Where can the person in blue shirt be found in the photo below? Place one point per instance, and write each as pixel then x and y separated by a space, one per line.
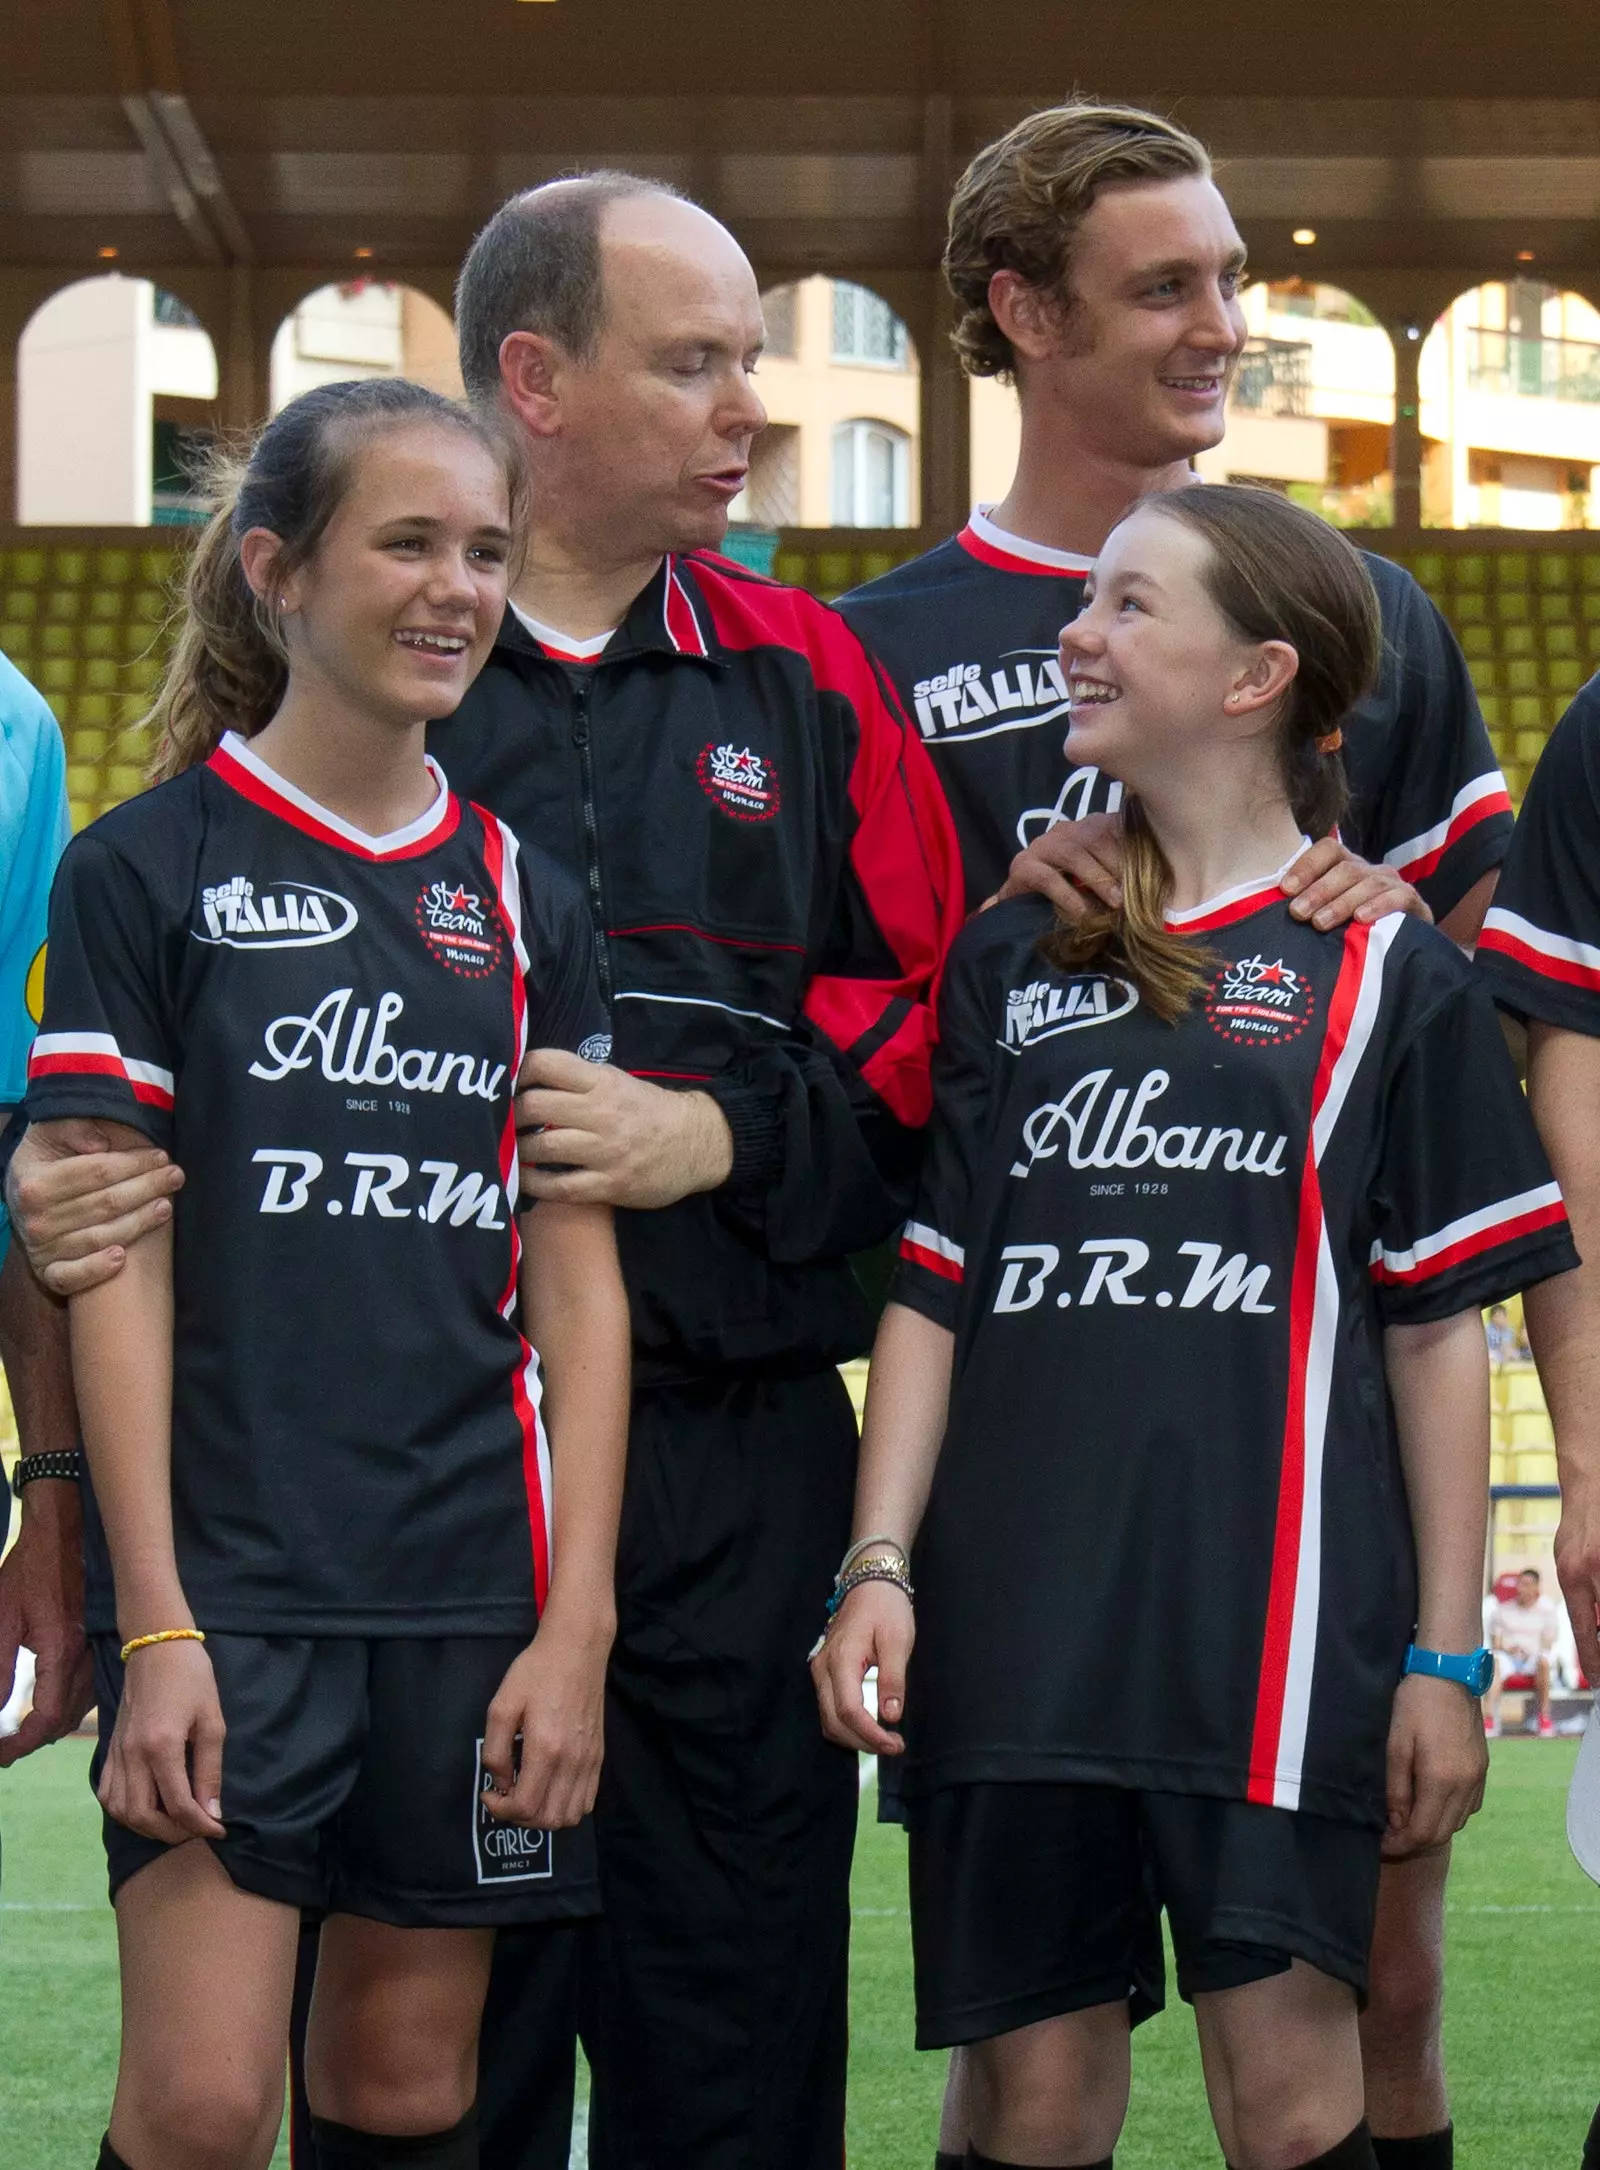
pixel 41 1587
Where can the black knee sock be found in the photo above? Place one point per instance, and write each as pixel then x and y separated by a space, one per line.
pixel 1591 2146
pixel 975 2161
pixel 942 2161
pixel 341 2147
pixel 108 2158
pixel 1354 2152
pixel 1430 2151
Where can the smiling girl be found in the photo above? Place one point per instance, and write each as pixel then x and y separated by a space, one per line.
pixel 1182 1395
pixel 339 1488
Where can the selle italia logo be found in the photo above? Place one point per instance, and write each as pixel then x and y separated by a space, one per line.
pixel 278 915
pixel 1025 688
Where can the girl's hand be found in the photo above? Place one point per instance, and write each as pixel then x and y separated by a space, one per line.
pixel 875 1626
pixel 546 1731
pixel 163 1772
pixel 1438 1760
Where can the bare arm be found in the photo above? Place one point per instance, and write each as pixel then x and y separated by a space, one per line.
pixel 908 1395
pixel 1439 1379
pixel 41 1579
pixel 1563 1314
pixel 575 1313
pixel 77 1201
pixel 163 1776
pixel 1464 921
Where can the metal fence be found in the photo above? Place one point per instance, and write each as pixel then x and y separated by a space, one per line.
pixel 1274 376
pixel 1532 368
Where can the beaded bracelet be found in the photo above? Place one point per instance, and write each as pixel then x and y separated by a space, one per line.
pixel 167 1635
pixel 890 1571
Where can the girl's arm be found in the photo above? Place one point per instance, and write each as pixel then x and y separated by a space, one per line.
pixel 122 1370
pixel 575 1312
pixel 1439 1379
pixel 908 1394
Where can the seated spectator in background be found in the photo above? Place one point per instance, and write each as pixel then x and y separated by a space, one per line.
pixel 1522 1634
pixel 1506 1343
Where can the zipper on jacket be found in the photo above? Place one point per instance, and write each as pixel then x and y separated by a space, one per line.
pixel 591 831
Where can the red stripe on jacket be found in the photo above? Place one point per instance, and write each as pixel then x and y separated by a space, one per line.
pixel 903 853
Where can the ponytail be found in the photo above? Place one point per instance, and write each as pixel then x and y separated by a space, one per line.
pixel 229 666
pixel 1276 572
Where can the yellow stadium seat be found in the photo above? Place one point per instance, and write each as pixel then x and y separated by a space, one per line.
pixel 1520 1383
pixel 1555 570
pixel 1511 605
pixel 1538 1467
pixel 1522 674
pixel 1528 1427
pixel 1561 640
pixel 1511 569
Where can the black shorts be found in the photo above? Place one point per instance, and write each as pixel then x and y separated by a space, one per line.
pixel 351 1783
pixel 1028 1901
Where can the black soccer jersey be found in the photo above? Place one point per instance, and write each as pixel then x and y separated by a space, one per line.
pixel 324 1028
pixel 1540 946
pixel 1167 1543
pixel 968 632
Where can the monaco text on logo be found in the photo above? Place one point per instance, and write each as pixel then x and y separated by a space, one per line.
pixel 1043 1008
pixel 1027 688
pixel 355 1050
pixel 285 915
pixel 1116 1134
pixel 744 784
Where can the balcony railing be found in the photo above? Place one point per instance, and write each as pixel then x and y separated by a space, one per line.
pixel 1274 376
pixel 1532 368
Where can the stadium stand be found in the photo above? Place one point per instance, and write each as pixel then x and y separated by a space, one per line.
pixel 83 616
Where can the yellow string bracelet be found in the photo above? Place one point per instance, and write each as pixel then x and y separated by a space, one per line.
pixel 167 1635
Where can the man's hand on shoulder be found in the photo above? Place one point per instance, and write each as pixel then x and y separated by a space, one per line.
pixel 1330 886
pixel 596 1135
pixel 1073 865
pixel 76 1205
pixel 1078 864
pixel 41 1609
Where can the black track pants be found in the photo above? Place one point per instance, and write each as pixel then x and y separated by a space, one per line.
pixel 715 2006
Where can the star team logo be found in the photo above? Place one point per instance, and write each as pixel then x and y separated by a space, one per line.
pixel 1255 1003
pixel 742 783
pixel 459 930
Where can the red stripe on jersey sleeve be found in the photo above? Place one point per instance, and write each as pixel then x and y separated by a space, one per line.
pixel 1538 961
pixel 904 857
pixel 918 1254
pixel 1473 1246
pixel 1494 802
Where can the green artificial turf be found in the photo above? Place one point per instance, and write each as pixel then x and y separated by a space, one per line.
pixel 1521 2022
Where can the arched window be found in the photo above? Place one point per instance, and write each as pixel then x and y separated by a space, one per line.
pixel 116 392
pixel 1311 409
pixel 866 329
pixel 871 475
pixel 1510 385
pixel 364 328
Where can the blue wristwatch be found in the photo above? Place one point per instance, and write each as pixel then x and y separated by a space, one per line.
pixel 1474 1671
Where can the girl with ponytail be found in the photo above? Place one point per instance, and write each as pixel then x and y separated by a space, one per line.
pixel 1178 1418
pixel 355 1425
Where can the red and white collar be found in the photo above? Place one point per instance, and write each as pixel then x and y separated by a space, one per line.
pixel 564 647
pixel 1237 903
pixel 997 546
pixel 250 776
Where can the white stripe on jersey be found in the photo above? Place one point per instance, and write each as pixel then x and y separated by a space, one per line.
pixel 1320 1355
pixel 511 894
pixel 1470 1224
pixel 1490 785
pixel 53 1050
pixel 1561 948
pixel 929 1239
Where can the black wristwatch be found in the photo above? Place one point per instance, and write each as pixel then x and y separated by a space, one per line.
pixel 66 1462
